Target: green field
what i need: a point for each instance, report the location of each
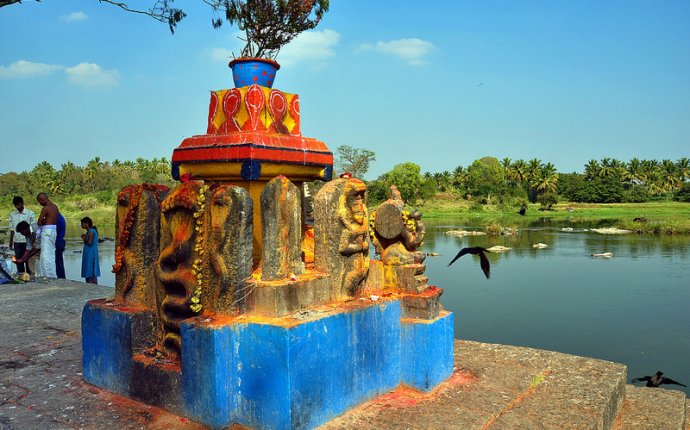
(662, 217)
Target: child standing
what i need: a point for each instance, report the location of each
(90, 269)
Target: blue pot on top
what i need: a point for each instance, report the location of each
(249, 71)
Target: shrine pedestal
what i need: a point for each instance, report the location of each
(294, 372)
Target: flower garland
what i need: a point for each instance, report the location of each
(198, 265)
(372, 226)
(410, 223)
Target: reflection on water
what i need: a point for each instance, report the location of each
(632, 308)
(106, 256)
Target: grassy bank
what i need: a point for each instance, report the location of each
(73, 208)
(661, 217)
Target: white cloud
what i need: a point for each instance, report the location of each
(218, 55)
(315, 47)
(27, 69)
(92, 75)
(225, 54)
(411, 50)
(74, 17)
(88, 75)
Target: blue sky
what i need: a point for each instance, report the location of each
(438, 82)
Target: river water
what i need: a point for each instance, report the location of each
(633, 308)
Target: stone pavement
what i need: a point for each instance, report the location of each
(494, 386)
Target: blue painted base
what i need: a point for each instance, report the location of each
(279, 373)
(428, 344)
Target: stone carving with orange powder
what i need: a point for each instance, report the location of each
(282, 230)
(230, 244)
(137, 234)
(179, 267)
(397, 232)
(341, 229)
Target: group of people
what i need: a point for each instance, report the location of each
(45, 236)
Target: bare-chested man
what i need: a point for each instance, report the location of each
(47, 222)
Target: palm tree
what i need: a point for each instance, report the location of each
(41, 176)
(683, 165)
(592, 169)
(518, 171)
(533, 166)
(606, 168)
(633, 172)
(92, 172)
(459, 177)
(649, 166)
(669, 178)
(506, 162)
(70, 175)
(545, 179)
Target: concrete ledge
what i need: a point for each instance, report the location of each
(652, 409)
(503, 387)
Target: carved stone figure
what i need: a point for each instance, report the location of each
(397, 234)
(281, 230)
(341, 235)
(137, 234)
(179, 267)
(229, 248)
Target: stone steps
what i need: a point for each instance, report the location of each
(652, 409)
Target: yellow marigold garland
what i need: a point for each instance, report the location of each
(198, 269)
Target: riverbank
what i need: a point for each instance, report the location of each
(493, 387)
(665, 217)
(662, 217)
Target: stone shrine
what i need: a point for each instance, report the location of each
(232, 306)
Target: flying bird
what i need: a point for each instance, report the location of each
(656, 380)
(483, 261)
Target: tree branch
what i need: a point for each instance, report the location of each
(161, 11)
(9, 2)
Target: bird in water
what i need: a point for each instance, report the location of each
(656, 380)
(483, 261)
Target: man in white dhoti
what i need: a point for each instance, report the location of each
(47, 222)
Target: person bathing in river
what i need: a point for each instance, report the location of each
(90, 269)
(47, 222)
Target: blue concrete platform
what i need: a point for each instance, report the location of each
(280, 373)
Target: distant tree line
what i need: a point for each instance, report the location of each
(101, 178)
(486, 180)
(489, 180)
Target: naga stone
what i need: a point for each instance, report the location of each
(228, 250)
(178, 270)
(137, 233)
(281, 218)
(341, 235)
